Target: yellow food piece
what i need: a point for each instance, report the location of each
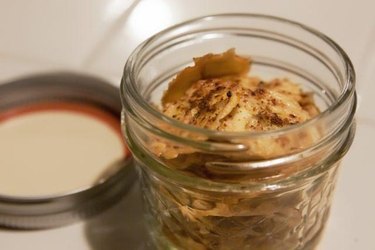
(206, 67)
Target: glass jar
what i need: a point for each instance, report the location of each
(234, 190)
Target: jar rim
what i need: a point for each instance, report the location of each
(128, 81)
(135, 105)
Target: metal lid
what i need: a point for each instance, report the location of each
(52, 211)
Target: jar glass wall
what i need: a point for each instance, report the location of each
(231, 190)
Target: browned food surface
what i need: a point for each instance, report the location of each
(242, 104)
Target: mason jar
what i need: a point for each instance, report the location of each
(216, 190)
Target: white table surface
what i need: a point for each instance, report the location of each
(96, 37)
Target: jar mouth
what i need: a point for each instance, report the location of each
(129, 89)
(337, 118)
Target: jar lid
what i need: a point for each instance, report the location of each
(99, 106)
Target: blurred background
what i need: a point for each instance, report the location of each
(95, 37)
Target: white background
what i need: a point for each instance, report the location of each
(96, 37)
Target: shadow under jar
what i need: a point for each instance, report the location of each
(220, 192)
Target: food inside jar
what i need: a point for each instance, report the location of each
(217, 93)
